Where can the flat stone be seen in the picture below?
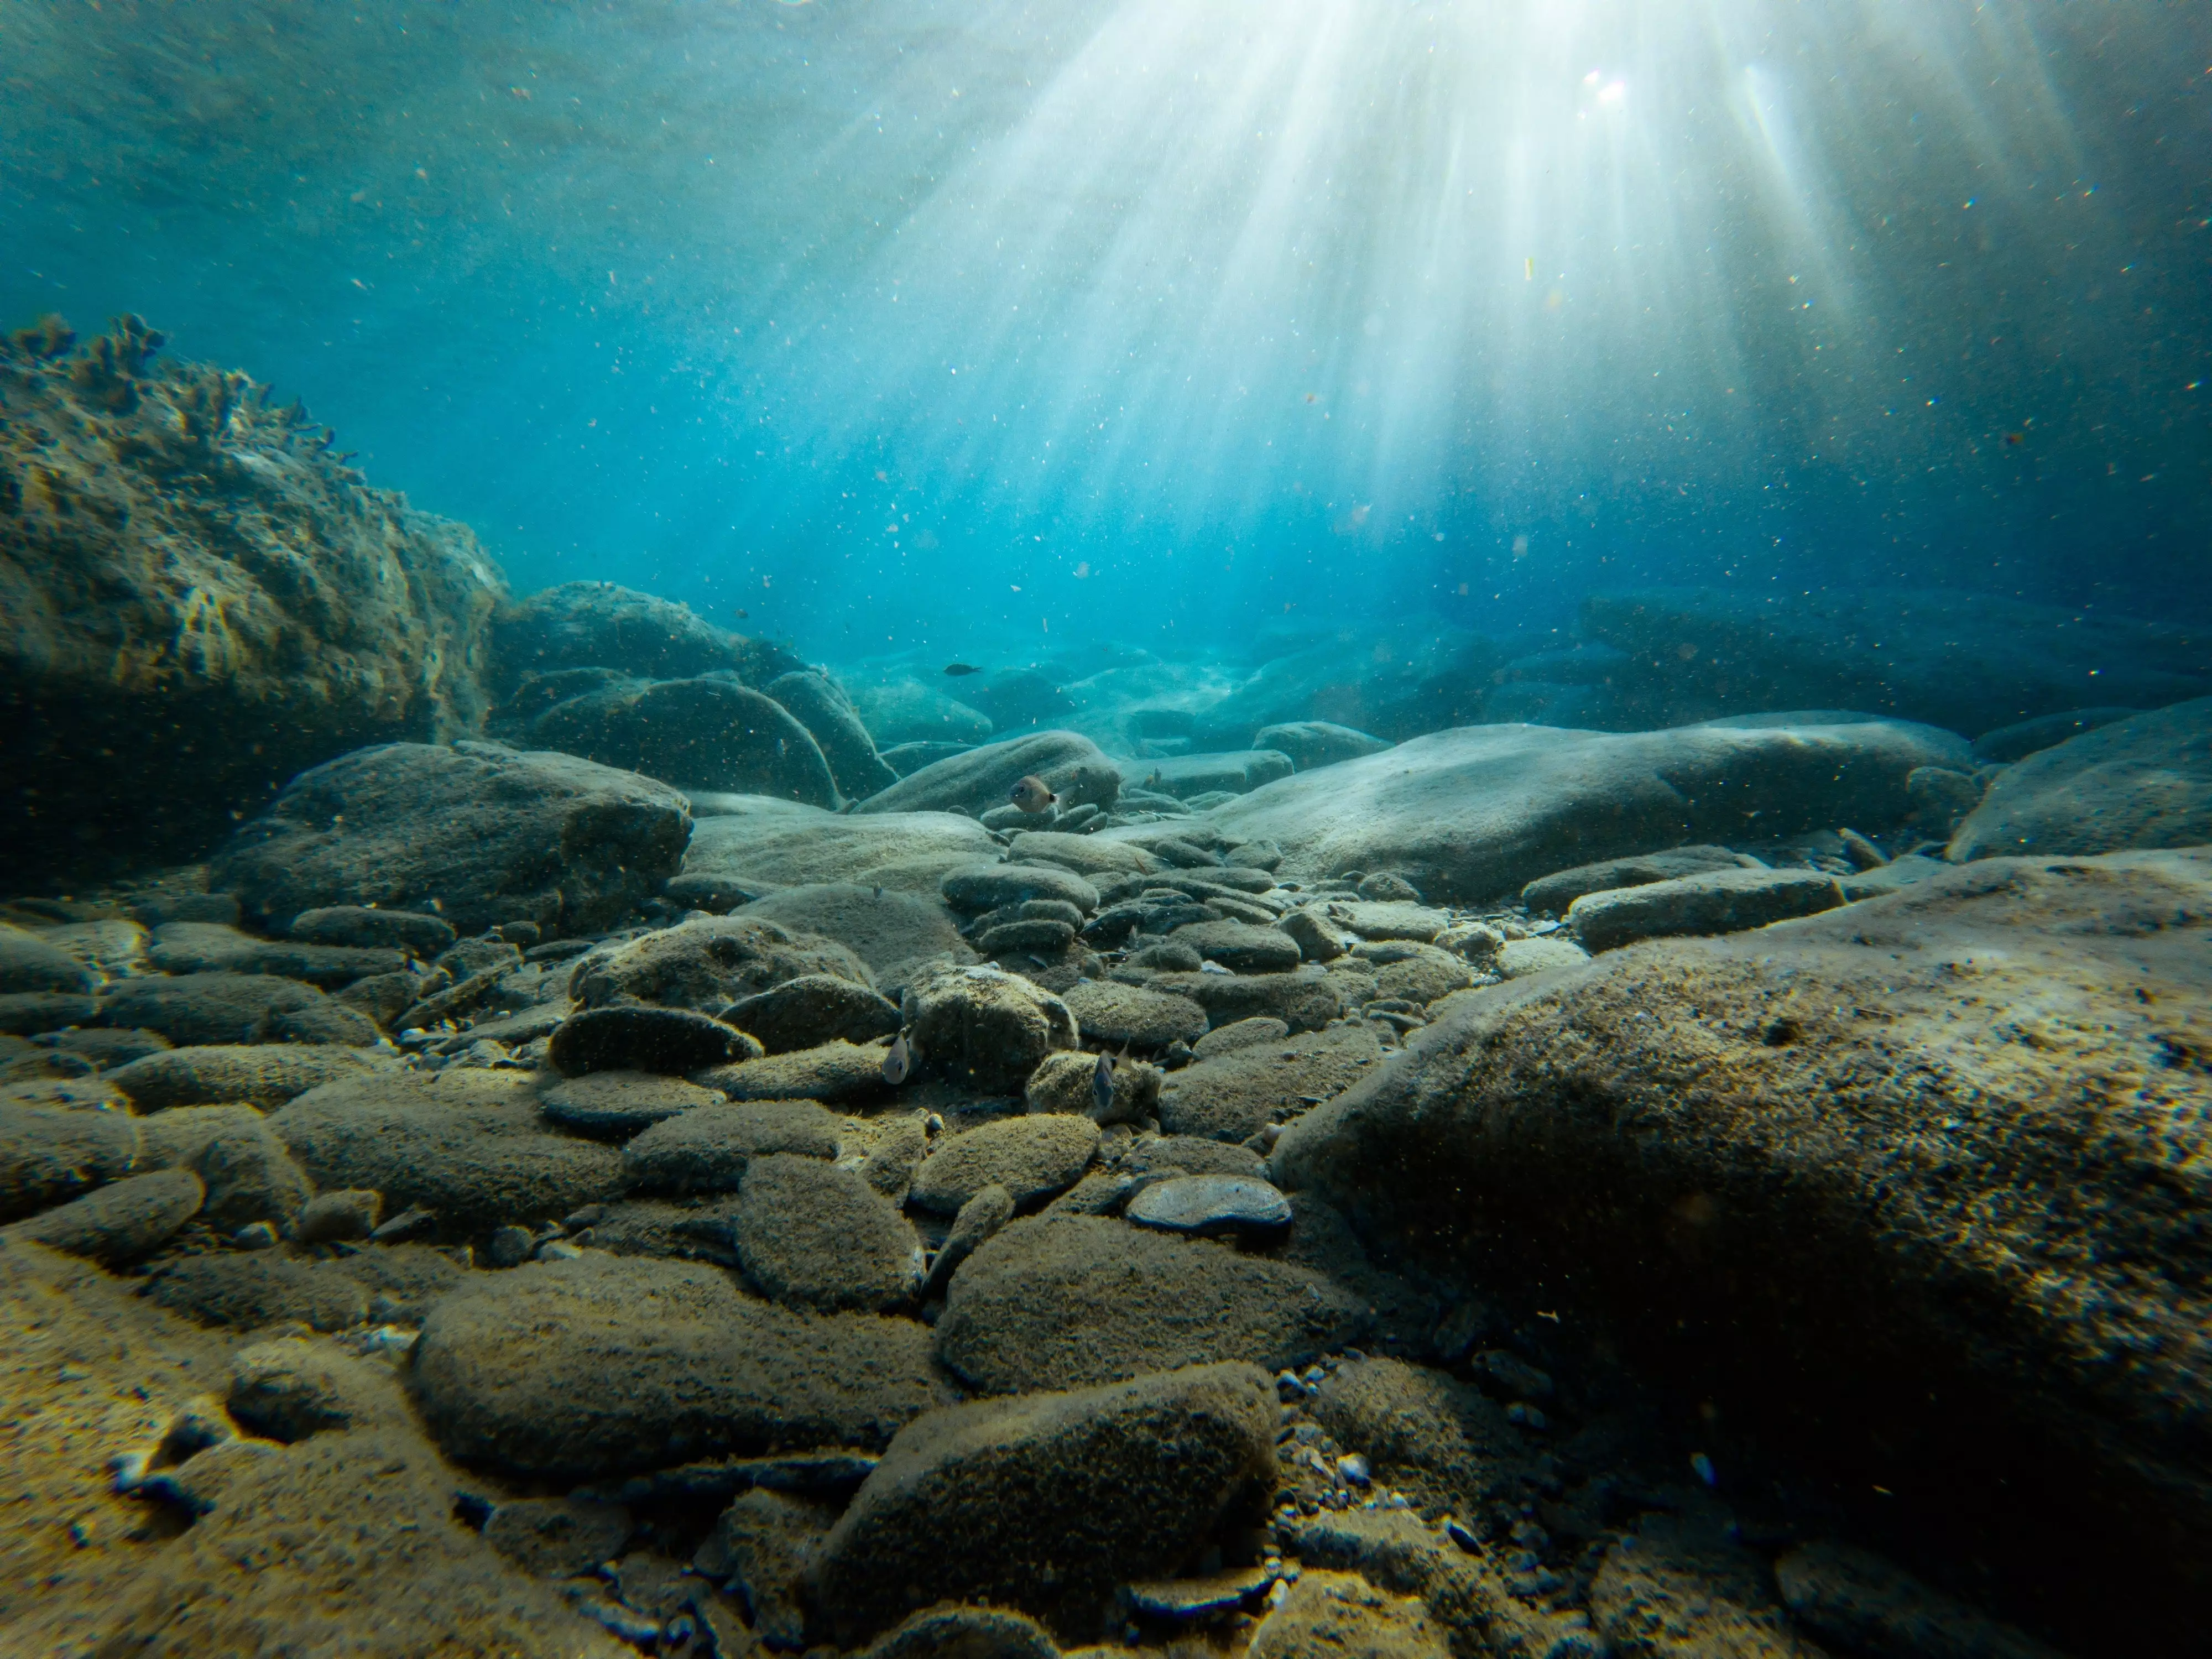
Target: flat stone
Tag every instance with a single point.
(638, 1037)
(206, 947)
(1031, 1157)
(782, 844)
(558, 1537)
(249, 1290)
(1343, 1613)
(1117, 1016)
(984, 1028)
(1556, 891)
(1240, 1034)
(205, 1009)
(892, 932)
(2016, 742)
(265, 1075)
(48, 1157)
(1211, 1206)
(1235, 772)
(1071, 765)
(616, 1105)
(1087, 855)
(988, 886)
(1305, 1000)
(971, 1632)
(2145, 781)
(814, 1235)
(29, 964)
(23, 1013)
(706, 1150)
(1311, 744)
(1517, 958)
(837, 1071)
(1201, 1600)
(1240, 947)
(1233, 1097)
(1717, 902)
(1065, 1301)
(359, 925)
(707, 962)
(1056, 1498)
(604, 1365)
(1044, 935)
(811, 1010)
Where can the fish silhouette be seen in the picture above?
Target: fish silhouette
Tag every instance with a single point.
(898, 1062)
(957, 669)
(1101, 1084)
(1032, 795)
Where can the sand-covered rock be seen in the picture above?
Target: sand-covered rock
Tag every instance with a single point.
(814, 1235)
(894, 932)
(707, 1149)
(48, 1157)
(819, 704)
(468, 1145)
(257, 1074)
(118, 1222)
(835, 1071)
(1305, 1000)
(985, 1027)
(605, 1364)
(707, 963)
(1047, 1503)
(2145, 781)
(1556, 891)
(494, 834)
(1952, 1125)
(770, 844)
(810, 1010)
(1114, 1015)
(1071, 765)
(1711, 902)
(1032, 1156)
(616, 1105)
(248, 1173)
(1311, 744)
(1475, 814)
(1058, 1302)
(1231, 1096)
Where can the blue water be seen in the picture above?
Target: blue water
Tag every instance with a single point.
(871, 326)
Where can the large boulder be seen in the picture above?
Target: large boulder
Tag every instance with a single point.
(700, 734)
(1238, 772)
(819, 704)
(495, 834)
(757, 843)
(1924, 1167)
(1968, 661)
(601, 625)
(1394, 683)
(1473, 814)
(707, 963)
(199, 598)
(1311, 744)
(894, 932)
(606, 1364)
(2145, 781)
(1050, 1502)
(913, 711)
(986, 1028)
(1071, 765)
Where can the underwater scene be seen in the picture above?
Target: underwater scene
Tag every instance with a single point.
(1311, 829)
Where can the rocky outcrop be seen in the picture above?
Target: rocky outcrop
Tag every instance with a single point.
(604, 625)
(2145, 781)
(1475, 813)
(1924, 1167)
(198, 598)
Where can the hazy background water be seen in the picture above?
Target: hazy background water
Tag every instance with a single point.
(927, 323)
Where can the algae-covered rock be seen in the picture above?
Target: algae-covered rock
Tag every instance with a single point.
(182, 558)
(1070, 765)
(817, 703)
(2145, 781)
(760, 842)
(603, 625)
(700, 734)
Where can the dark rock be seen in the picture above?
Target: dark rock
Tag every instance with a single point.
(706, 1150)
(1475, 814)
(979, 1218)
(1211, 1206)
(810, 1010)
(106, 1049)
(414, 931)
(1645, 1120)
(468, 1145)
(1442, 1443)
(1256, 1032)
(1067, 1081)
(1674, 1588)
(984, 1027)
(708, 962)
(258, 1074)
(1330, 1613)
(1233, 1097)
(1717, 902)
(201, 947)
(121, 1221)
(1865, 1604)
(838, 1071)
(1305, 1001)
(248, 1171)
(494, 834)
(1239, 947)
(814, 1235)
(892, 932)
(1941, 798)
(341, 1217)
(1042, 935)
(2145, 781)
(631, 1036)
(697, 733)
(908, 759)
(616, 1105)
(605, 1365)
(676, 1230)
(816, 703)
(601, 625)
(289, 1388)
(956, 1631)
(1395, 682)
(763, 1546)
(2018, 741)
(1032, 1158)
(1071, 767)
(1556, 891)
(246, 1291)
(22, 1013)
(1063, 1301)
(1047, 1503)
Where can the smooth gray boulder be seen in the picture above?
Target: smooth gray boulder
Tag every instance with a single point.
(772, 844)
(604, 1365)
(989, 886)
(698, 734)
(707, 963)
(2018, 741)
(1715, 901)
(1556, 891)
(1473, 814)
(1049, 1502)
(1070, 765)
(2145, 781)
(1311, 744)
(817, 703)
(604, 625)
(494, 834)
(1238, 771)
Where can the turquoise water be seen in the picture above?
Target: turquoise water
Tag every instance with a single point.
(870, 327)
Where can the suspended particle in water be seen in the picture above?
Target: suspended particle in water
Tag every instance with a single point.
(1702, 1467)
(1521, 546)
(1529, 268)
(1462, 589)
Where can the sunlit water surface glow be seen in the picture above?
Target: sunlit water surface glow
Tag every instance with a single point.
(1103, 317)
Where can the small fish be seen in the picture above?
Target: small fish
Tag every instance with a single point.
(2014, 440)
(1101, 1084)
(957, 669)
(740, 610)
(1702, 1466)
(898, 1062)
(1031, 796)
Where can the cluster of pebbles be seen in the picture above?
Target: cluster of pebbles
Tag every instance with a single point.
(869, 1270)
